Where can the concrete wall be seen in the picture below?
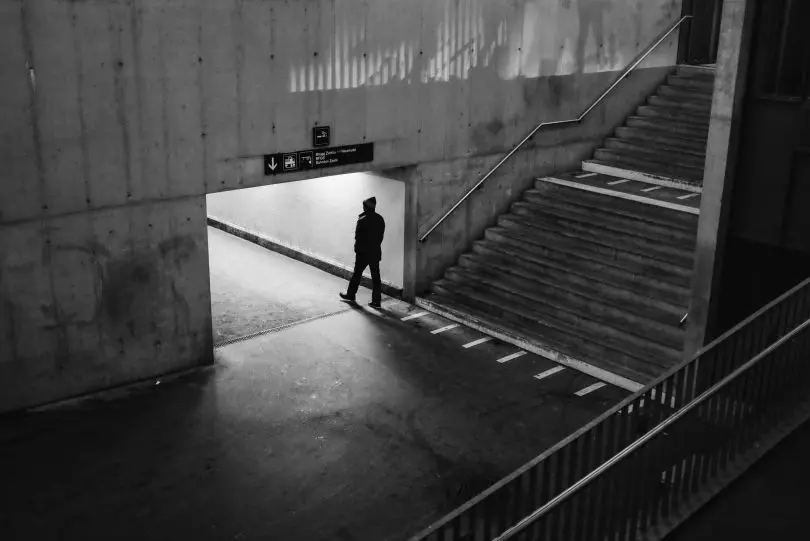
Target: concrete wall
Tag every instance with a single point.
(318, 216)
(91, 300)
(118, 114)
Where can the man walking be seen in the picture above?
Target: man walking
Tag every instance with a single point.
(368, 237)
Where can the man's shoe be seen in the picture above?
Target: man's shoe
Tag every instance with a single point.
(375, 305)
(346, 298)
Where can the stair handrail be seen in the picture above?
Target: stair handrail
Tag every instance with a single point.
(655, 431)
(560, 123)
(674, 394)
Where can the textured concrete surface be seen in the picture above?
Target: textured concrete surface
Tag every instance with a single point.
(769, 501)
(736, 33)
(356, 426)
(165, 99)
(98, 299)
(254, 289)
(111, 107)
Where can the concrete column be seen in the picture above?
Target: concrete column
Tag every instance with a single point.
(721, 158)
(411, 232)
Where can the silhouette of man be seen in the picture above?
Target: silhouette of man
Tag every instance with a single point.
(368, 237)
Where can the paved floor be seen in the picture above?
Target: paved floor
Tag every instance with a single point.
(360, 425)
(769, 501)
(253, 290)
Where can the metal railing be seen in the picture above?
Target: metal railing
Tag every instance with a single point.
(560, 123)
(639, 468)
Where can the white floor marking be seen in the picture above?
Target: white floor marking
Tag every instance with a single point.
(620, 172)
(689, 196)
(590, 389)
(447, 328)
(549, 372)
(629, 197)
(512, 356)
(539, 348)
(615, 182)
(477, 342)
(586, 175)
(652, 396)
(414, 316)
(651, 189)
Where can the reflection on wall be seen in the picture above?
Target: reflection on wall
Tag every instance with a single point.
(397, 42)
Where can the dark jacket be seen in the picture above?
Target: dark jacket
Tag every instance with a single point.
(368, 236)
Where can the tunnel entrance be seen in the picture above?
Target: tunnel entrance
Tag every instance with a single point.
(280, 254)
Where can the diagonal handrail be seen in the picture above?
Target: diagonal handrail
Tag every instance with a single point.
(560, 123)
(659, 428)
(790, 309)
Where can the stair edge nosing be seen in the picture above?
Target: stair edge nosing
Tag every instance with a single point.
(526, 275)
(510, 251)
(504, 232)
(621, 225)
(530, 346)
(604, 325)
(633, 245)
(633, 175)
(610, 315)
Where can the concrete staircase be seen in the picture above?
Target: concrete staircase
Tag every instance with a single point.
(664, 142)
(593, 269)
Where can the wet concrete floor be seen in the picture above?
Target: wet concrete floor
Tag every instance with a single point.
(360, 425)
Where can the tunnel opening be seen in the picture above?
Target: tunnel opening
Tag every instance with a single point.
(280, 254)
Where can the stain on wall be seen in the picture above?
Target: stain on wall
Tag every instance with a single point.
(101, 299)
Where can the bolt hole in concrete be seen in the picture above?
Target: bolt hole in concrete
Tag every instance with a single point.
(254, 288)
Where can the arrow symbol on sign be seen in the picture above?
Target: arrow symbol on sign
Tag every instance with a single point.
(273, 164)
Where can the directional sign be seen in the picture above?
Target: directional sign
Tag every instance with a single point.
(321, 136)
(290, 162)
(319, 158)
(271, 165)
(348, 155)
(306, 160)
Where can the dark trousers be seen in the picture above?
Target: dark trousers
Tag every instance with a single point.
(360, 264)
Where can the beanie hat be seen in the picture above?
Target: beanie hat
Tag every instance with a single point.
(371, 202)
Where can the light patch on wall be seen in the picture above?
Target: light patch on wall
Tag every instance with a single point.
(530, 39)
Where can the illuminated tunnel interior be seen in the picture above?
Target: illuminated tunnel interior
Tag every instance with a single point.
(279, 254)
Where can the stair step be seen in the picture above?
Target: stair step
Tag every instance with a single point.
(587, 314)
(673, 126)
(632, 244)
(700, 95)
(539, 240)
(630, 297)
(667, 114)
(563, 323)
(699, 84)
(655, 219)
(643, 284)
(607, 221)
(657, 166)
(685, 104)
(495, 313)
(663, 137)
(598, 300)
(696, 72)
(637, 173)
(658, 153)
(633, 143)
